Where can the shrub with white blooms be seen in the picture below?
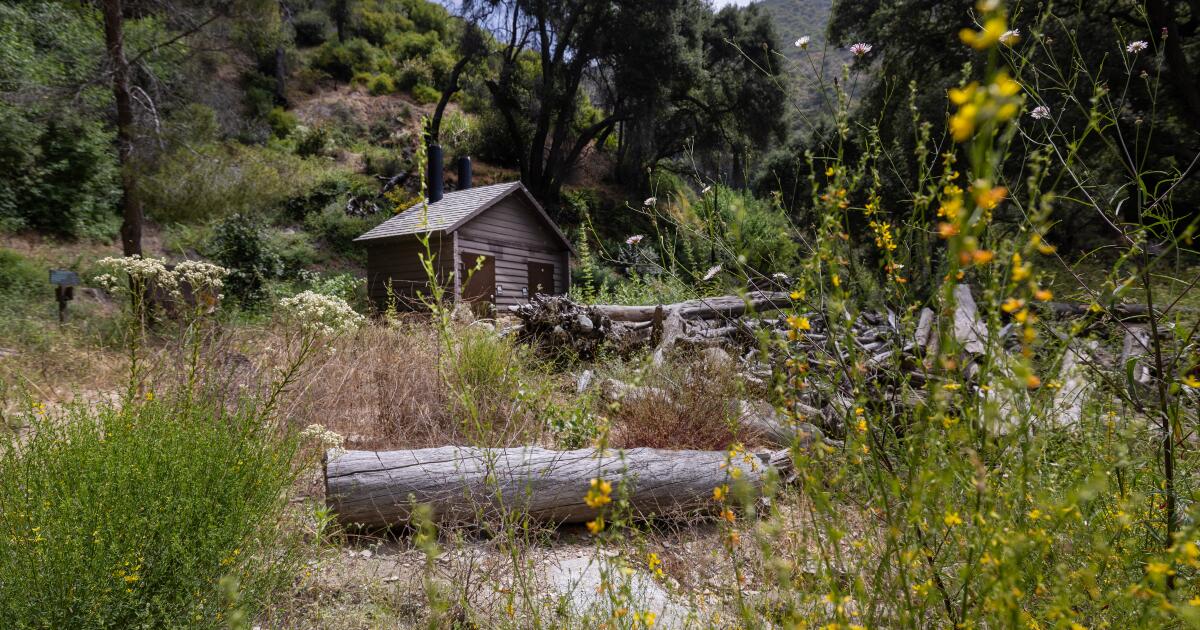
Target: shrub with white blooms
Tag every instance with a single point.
(143, 272)
(333, 441)
(201, 275)
(317, 313)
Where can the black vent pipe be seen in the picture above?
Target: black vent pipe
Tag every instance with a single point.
(434, 179)
(464, 172)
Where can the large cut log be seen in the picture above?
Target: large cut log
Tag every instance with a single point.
(763, 420)
(969, 329)
(466, 484)
(703, 308)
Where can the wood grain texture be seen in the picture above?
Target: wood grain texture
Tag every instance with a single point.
(703, 308)
(466, 484)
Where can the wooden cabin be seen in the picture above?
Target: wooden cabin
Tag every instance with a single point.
(523, 252)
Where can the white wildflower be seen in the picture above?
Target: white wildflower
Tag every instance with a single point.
(108, 282)
(712, 272)
(706, 190)
(1008, 38)
(200, 275)
(860, 49)
(143, 272)
(779, 275)
(323, 314)
(1041, 112)
(650, 202)
(1136, 47)
(803, 42)
(334, 442)
(635, 239)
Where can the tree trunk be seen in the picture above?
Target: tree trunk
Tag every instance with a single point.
(435, 124)
(341, 14)
(280, 76)
(131, 207)
(703, 308)
(464, 484)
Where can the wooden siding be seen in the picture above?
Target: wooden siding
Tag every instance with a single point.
(512, 221)
(512, 273)
(513, 232)
(398, 261)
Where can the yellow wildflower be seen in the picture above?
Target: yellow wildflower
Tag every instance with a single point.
(952, 519)
(599, 494)
(993, 29)
(1012, 304)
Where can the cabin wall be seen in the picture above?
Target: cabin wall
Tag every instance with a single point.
(397, 260)
(514, 234)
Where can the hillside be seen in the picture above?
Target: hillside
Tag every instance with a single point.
(800, 18)
(796, 18)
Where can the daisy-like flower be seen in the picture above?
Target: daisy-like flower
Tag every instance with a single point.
(1041, 112)
(803, 42)
(1136, 47)
(635, 239)
(650, 202)
(1008, 38)
(706, 190)
(860, 49)
(712, 272)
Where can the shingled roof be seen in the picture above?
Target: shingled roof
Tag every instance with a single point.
(453, 210)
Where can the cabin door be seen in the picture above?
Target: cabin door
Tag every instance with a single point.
(541, 278)
(478, 284)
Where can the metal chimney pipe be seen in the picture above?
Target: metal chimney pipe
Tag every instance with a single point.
(464, 172)
(434, 182)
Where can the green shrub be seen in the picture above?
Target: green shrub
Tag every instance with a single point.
(197, 184)
(130, 518)
(345, 286)
(282, 122)
(332, 188)
(312, 28)
(338, 230)
(376, 21)
(343, 60)
(385, 162)
(460, 133)
(411, 72)
(258, 95)
(425, 95)
(381, 84)
(413, 45)
(240, 245)
(428, 16)
(313, 141)
(18, 276)
(296, 252)
(57, 177)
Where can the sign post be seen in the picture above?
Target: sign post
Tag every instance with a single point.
(64, 282)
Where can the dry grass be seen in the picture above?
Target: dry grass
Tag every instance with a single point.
(697, 412)
(397, 387)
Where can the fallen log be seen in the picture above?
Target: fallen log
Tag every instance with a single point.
(465, 484)
(703, 308)
(763, 420)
